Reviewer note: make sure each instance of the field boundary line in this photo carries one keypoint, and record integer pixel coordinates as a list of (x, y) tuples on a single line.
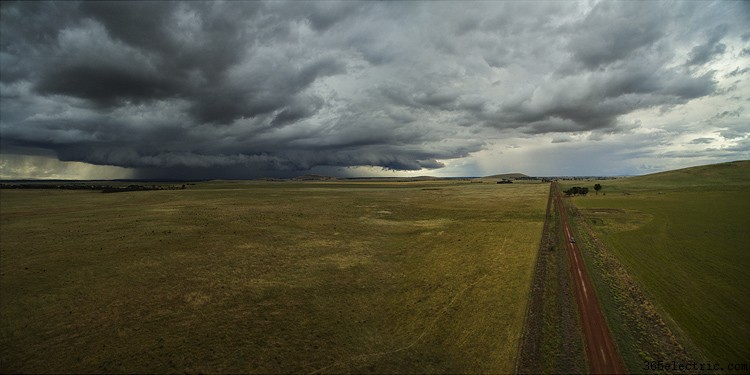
[(537, 277)]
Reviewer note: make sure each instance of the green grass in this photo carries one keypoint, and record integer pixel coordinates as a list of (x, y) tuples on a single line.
[(684, 237), (268, 277)]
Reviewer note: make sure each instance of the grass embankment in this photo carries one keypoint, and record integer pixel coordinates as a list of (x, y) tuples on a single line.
[(268, 277), (683, 238)]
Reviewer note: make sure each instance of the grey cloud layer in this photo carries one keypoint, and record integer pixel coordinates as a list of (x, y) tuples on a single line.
[(250, 88)]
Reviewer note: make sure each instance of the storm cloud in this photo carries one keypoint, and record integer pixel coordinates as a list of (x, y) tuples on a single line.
[(245, 89)]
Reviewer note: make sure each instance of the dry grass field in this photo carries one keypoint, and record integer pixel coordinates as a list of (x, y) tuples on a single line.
[(246, 277)]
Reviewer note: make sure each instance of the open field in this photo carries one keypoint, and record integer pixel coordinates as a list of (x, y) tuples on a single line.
[(268, 277), (683, 237)]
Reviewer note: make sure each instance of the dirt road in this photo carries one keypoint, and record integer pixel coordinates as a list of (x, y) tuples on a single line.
[(600, 349)]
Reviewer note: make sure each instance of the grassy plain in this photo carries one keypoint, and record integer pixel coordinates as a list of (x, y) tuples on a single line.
[(683, 236), (266, 277)]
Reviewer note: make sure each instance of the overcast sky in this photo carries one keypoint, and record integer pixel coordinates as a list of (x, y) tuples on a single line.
[(250, 89)]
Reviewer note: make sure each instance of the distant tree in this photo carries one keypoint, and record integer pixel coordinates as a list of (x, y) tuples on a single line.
[(575, 190), (597, 187)]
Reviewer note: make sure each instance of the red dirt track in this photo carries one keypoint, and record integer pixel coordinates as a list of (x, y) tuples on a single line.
[(600, 349)]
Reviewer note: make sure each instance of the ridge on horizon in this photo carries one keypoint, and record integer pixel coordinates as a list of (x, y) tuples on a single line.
[(319, 177)]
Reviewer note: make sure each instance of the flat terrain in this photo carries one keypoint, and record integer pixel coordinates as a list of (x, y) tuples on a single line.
[(268, 277), (684, 237)]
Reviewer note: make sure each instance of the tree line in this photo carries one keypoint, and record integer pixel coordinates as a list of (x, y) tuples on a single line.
[(578, 190), (102, 188)]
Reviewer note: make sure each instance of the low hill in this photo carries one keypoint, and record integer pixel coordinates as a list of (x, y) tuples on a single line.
[(729, 175), (507, 176), (732, 169)]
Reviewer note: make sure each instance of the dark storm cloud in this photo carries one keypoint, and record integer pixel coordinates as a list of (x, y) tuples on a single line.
[(249, 88), (595, 100), (703, 53), (734, 113), (143, 51), (701, 141), (614, 31), (737, 72)]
